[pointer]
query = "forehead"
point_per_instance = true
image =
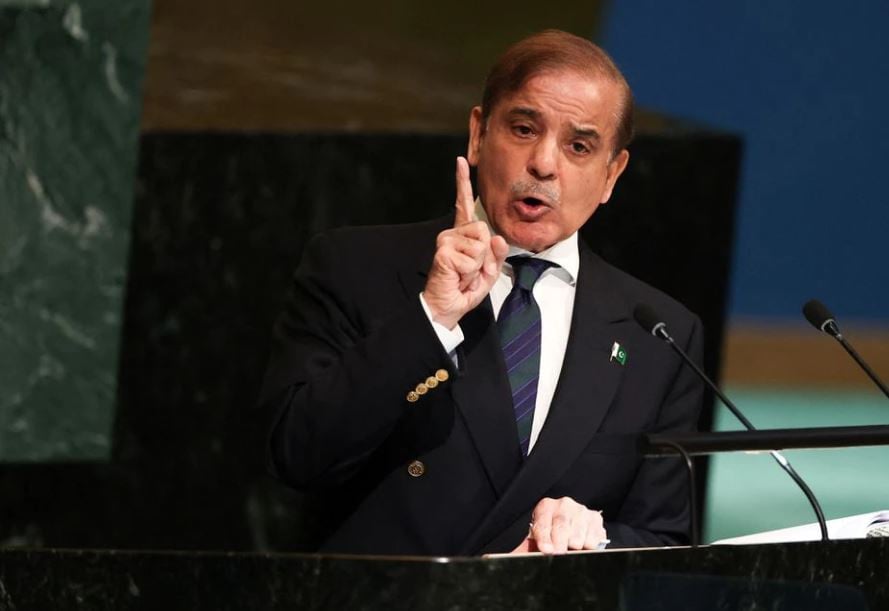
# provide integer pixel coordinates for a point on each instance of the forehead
(567, 94)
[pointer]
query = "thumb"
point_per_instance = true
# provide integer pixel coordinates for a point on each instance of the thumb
(499, 248)
(496, 255)
(525, 547)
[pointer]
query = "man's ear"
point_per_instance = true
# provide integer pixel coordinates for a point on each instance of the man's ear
(476, 133)
(616, 167)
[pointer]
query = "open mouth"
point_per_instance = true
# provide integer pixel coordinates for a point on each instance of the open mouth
(533, 202)
(531, 208)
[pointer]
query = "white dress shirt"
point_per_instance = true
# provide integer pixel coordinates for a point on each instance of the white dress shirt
(554, 294)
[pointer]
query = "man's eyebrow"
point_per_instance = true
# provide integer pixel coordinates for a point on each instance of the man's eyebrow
(524, 111)
(586, 132)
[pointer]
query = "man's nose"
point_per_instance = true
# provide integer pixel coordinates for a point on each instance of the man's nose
(544, 159)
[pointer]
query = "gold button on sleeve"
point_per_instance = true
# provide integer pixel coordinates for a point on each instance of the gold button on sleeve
(421, 389)
(412, 397)
(416, 468)
(431, 382)
(442, 375)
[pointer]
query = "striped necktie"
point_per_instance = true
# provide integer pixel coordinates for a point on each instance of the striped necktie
(519, 326)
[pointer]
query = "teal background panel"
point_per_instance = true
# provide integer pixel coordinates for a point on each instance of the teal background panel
(749, 493)
(70, 103)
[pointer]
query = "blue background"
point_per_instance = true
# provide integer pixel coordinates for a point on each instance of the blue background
(806, 86)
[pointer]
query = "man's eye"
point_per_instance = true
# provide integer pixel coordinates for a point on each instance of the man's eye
(522, 130)
(580, 148)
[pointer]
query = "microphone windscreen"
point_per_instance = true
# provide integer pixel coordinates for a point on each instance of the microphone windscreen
(646, 317)
(817, 313)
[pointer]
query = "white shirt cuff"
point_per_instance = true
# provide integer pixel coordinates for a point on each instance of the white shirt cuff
(449, 338)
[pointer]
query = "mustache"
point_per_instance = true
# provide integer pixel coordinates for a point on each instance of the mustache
(534, 189)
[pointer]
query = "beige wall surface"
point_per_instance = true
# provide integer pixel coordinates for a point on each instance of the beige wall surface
(766, 354)
(380, 66)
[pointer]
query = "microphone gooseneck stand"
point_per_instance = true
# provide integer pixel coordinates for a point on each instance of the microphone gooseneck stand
(692, 492)
(650, 321)
(823, 320)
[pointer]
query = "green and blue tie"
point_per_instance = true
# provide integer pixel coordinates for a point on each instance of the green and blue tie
(519, 326)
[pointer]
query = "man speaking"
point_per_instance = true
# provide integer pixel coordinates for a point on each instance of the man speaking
(477, 383)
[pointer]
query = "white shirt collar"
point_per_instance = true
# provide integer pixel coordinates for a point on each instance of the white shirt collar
(564, 254)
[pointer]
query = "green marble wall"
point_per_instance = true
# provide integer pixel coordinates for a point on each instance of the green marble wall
(70, 102)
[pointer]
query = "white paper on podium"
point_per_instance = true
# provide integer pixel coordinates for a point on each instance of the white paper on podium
(851, 527)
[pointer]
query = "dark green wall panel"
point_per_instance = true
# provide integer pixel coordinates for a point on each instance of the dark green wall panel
(70, 101)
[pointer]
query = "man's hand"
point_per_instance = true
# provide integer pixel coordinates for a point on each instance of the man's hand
(559, 525)
(467, 260)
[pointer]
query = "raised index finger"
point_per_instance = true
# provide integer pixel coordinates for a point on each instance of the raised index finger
(465, 203)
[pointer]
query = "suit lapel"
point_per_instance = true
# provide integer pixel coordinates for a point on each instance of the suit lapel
(589, 378)
(587, 385)
(484, 398)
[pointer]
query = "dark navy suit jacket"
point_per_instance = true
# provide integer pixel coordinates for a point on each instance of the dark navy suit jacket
(353, 340)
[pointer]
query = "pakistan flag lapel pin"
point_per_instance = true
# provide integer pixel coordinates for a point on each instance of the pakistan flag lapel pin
(618, 353)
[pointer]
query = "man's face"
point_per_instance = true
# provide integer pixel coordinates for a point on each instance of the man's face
(545, 156)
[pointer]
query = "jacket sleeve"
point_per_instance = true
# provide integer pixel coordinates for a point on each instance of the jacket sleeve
(343, 359)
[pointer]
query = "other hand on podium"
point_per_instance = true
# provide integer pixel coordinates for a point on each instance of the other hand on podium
(560, 525)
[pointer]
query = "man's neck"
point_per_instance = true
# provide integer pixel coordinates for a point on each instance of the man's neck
(564, 253)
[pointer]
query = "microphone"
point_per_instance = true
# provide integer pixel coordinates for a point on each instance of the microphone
(651, 322)
(822, 319)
